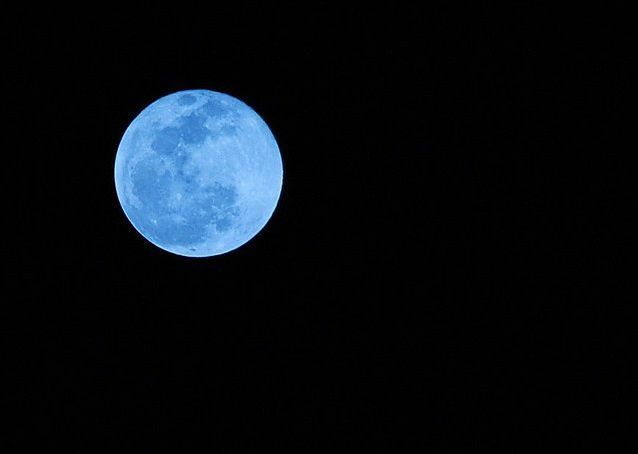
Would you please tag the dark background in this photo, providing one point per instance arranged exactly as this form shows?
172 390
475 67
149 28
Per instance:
431 276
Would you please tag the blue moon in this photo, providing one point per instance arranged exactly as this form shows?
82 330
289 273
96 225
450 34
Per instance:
198 173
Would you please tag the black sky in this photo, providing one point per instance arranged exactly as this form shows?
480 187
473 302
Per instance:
420 283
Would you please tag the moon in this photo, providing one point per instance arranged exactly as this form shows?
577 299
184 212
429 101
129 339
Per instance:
198 173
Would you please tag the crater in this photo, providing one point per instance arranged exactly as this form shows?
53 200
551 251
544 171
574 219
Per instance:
219 196
186 100
193 129
166 140
214 109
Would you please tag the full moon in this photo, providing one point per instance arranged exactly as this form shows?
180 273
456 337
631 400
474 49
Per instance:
198 173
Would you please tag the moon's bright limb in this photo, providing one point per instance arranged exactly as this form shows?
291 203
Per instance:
198 173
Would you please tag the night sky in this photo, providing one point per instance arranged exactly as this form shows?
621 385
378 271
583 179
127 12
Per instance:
428 279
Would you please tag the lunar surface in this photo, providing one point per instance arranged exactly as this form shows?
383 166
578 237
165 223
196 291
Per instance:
198 173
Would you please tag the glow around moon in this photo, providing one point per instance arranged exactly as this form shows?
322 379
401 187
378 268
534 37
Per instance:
198 173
